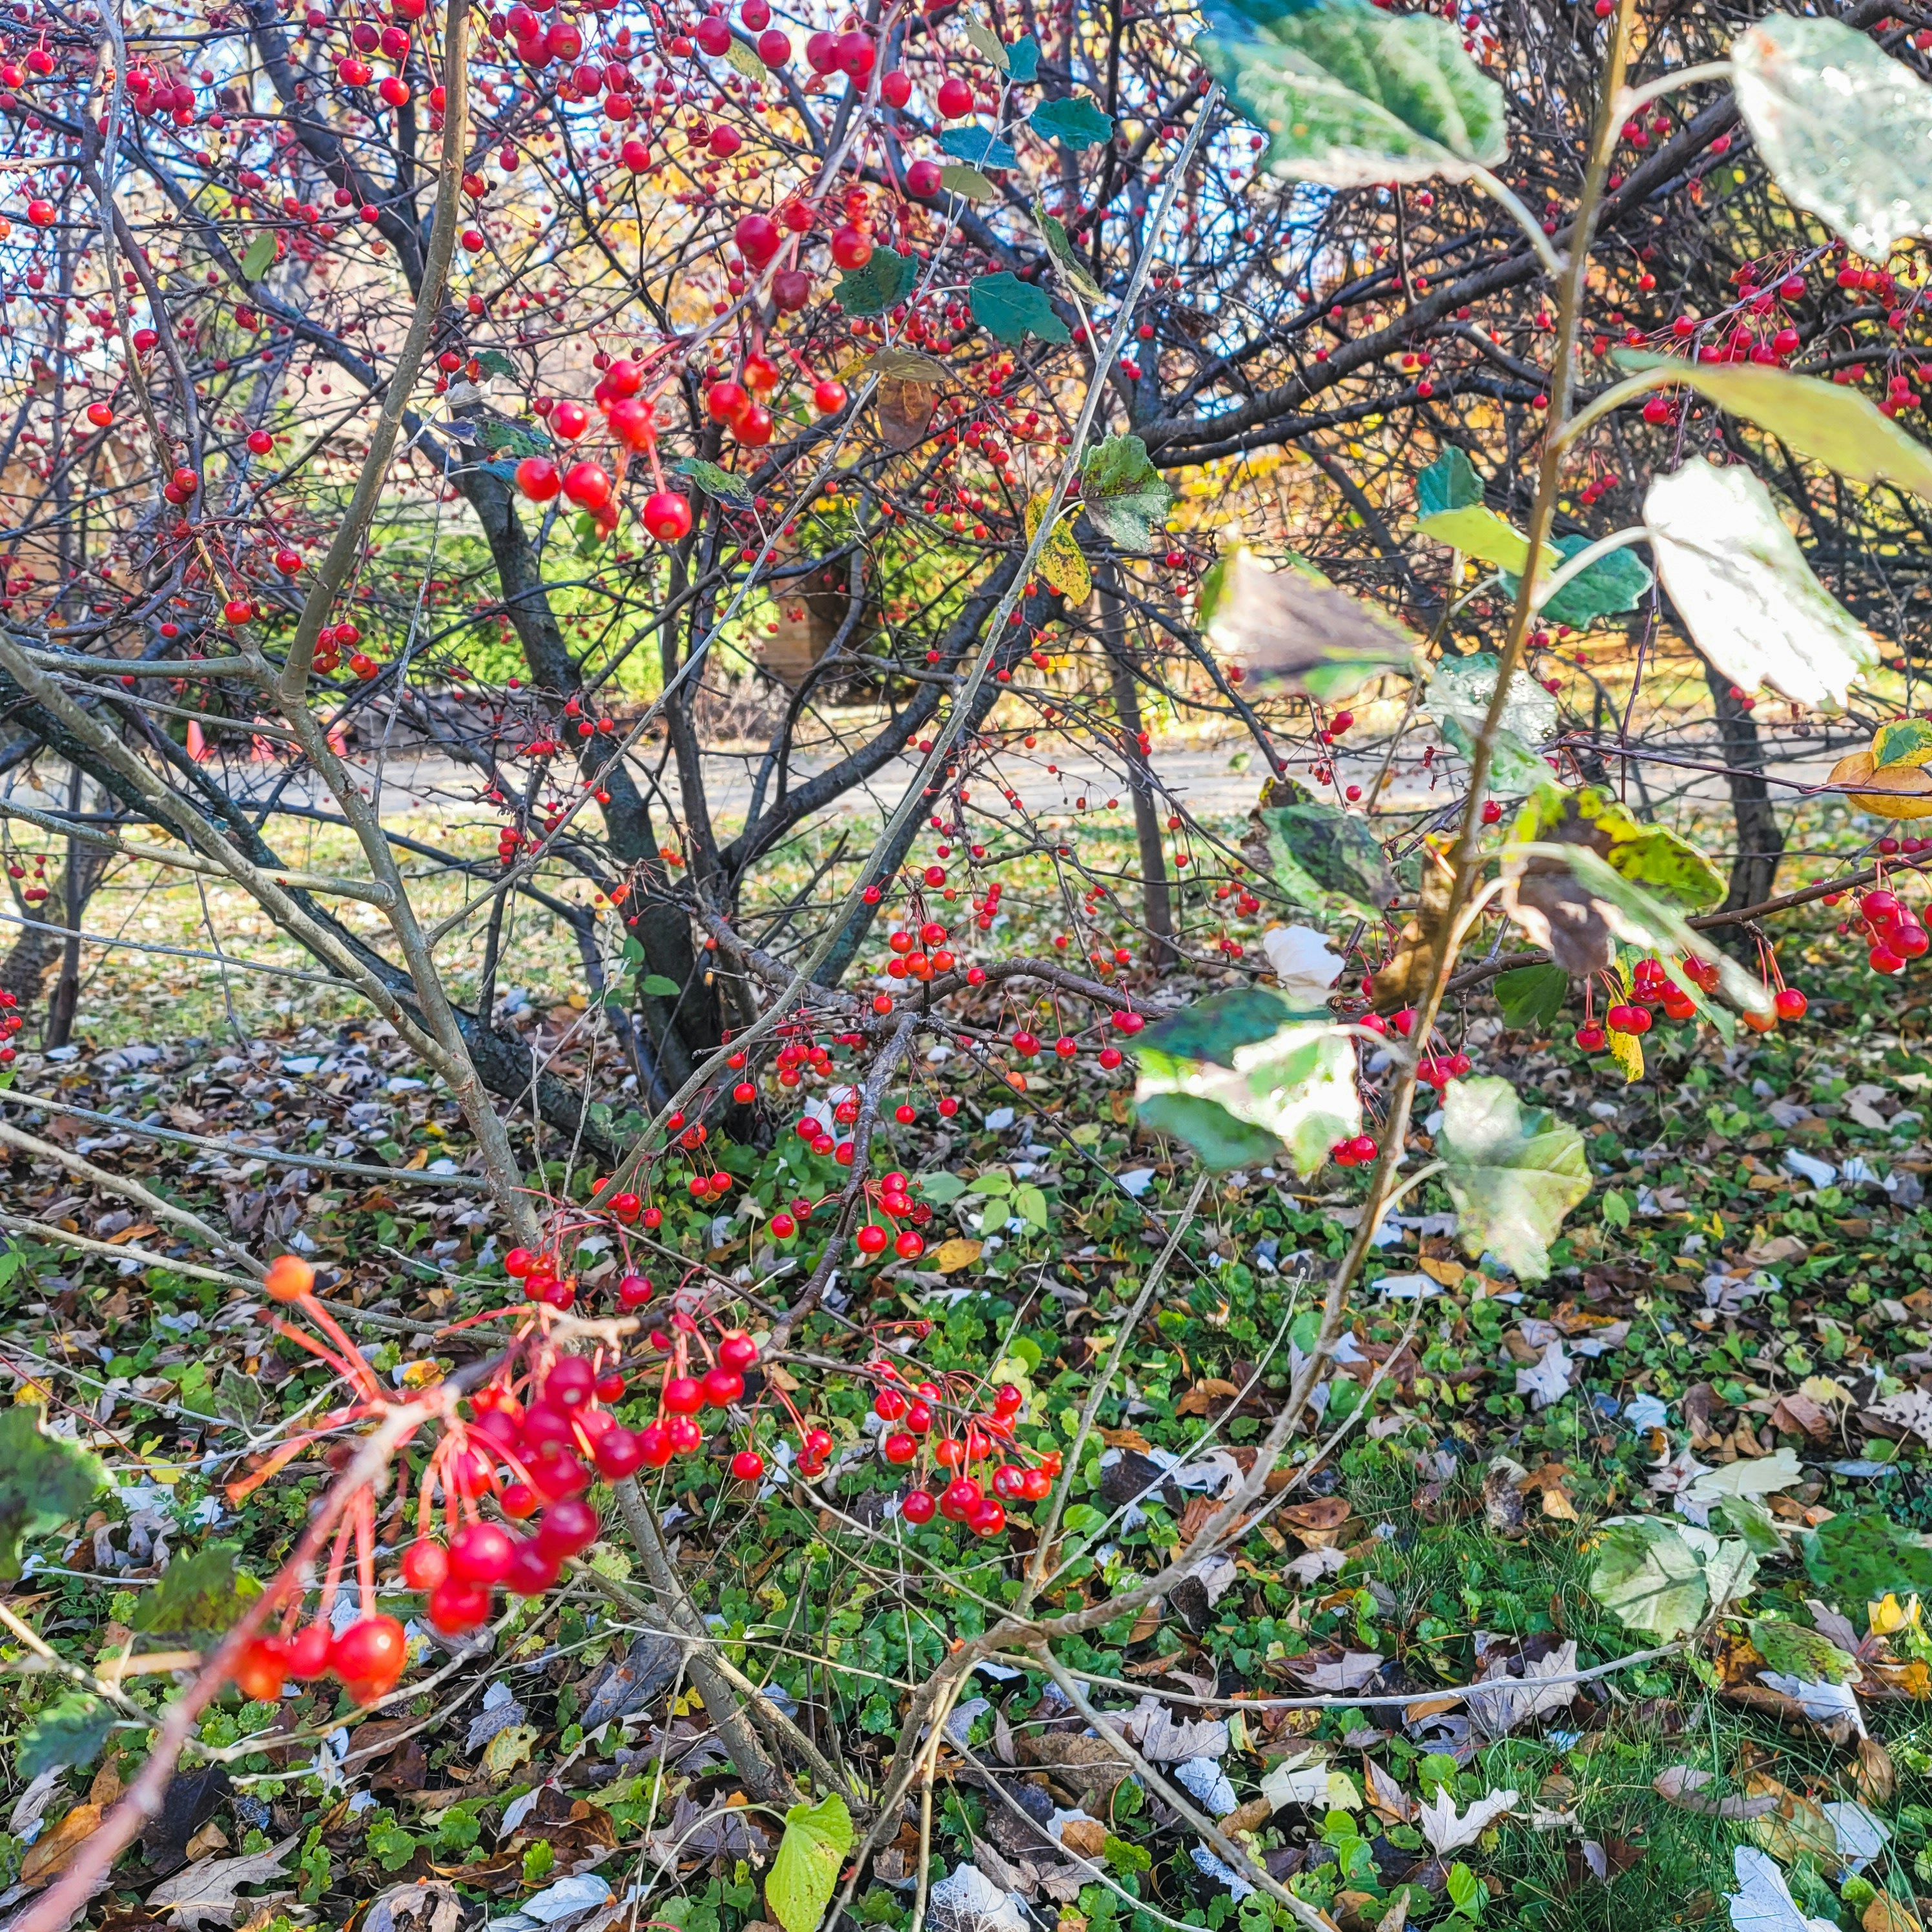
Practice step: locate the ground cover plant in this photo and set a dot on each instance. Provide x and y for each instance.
(1007, 1013)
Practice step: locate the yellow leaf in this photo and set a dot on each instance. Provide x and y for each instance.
(510, 1747)
(1060, 561)
(1626, 1048)
(1899, 791)
(955, 1254)
(1449, 1273)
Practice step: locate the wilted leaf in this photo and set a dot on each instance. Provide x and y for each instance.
(1060, 560)
(1291, 628)
(988, 43)
(1402, 979)
(1513, 1172)
(1832, 423)
(1531, 996)
(1458, 698)
(1053, 231)
(1124, 494)
(799, 1885)
(1316, 850)
(1858, 1557)
(1010, 310)
(1763, 1902)
(886, 277)
(210, 1888)
(1744, 589)
(1902, 790)
(1074, 122)
(1840, 125)
(1795, 1651)
(1446, 1831)
(1348, 95)
(1647, 1575)
(44, 1480)
(1259, 1074)
(904, 410)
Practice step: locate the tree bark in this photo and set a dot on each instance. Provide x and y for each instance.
(1760, 838)
(1156, 900)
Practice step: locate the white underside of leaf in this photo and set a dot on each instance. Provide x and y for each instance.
(1743, 589)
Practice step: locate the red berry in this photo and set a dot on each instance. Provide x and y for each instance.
(308, 1651)
(531, 1573)
(480, 1552)
(683, 1395)
(1590, 1038)
(988, 1518)
(918, 1506)
(668, 517)
(425, 1564)
(960, 1498)
(456, 1605)
(723, 1386)
(369, 1656)
(748, 1465)
(619, 1453)
(899, 1447)
(956, 98)
(1791, 1004)
(568, 1526)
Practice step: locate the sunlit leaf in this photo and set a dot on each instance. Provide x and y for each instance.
(1858, 1556)
(1841, 125)
(1618, 581)
(721, 485)
(1349, 95)
(1458, 699)
(1797, 1651)
(1899, 791)
(1743, 588)
(1291, 628)
(1009, 310)
(1074, 123)
(44, 1480)
(747, 63)
(260, 259)
(1476, 530)
(1648, 855)
(1060, 561)
(1449, 483)
(1832, 423)
(1124, 495)
(1276, 1076)
(956, 177)
(988, 43)
(1649, 1577)
(799, 1885)
(1513, 1172)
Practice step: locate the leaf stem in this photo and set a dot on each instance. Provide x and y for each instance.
(1572, 567)
(1500, 191)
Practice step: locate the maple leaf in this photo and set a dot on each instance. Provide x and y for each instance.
(1446, 1832)
(208, 1889)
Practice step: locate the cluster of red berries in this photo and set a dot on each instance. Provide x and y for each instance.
(330, 641)
(1359, 1152)
(964, 1497)
(631, 421)
(367, 1659)
(11, 1021)
(1893, 932)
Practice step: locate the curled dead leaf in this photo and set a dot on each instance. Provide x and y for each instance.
(53, 1852)
(1898, 791)
(904, 410)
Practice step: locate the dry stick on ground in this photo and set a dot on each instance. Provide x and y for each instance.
(1233, 1856)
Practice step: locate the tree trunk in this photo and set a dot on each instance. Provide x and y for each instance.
(1156, 901)
(1760, 837)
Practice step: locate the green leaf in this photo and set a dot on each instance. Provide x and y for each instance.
(739, 56)
(1647, 855)
(69, 1732)
(44, 1480)
(978, 147)
(1074, 122)
(1009, 309)
(1841, 125)
(1292, 629)
(1460, 690)
(199, 1595)
(799, 1885)
(941, 1187)
(1513, 1172)
(659, 985)
(1793, 1651)
(1744, 589)
(1269, 1075)
(1476, 530)
(1316, 850)
(1902, 741)
(1531, 996)
(1023, 60)
(509, 439)
(1649, 1577)
(885, 279)
(1124, 494)
(1030, 1205)
(494, 362)
(1832, 423)
(957, 178)
(1616, 1210)
(1856, 1557)
(1349, 95)
(1619, 581)
(721, 485)
(260, 259)
(1449, 483)
(1122, 1858)
(1467, 1893)
(1073, 270)
(988, 43)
